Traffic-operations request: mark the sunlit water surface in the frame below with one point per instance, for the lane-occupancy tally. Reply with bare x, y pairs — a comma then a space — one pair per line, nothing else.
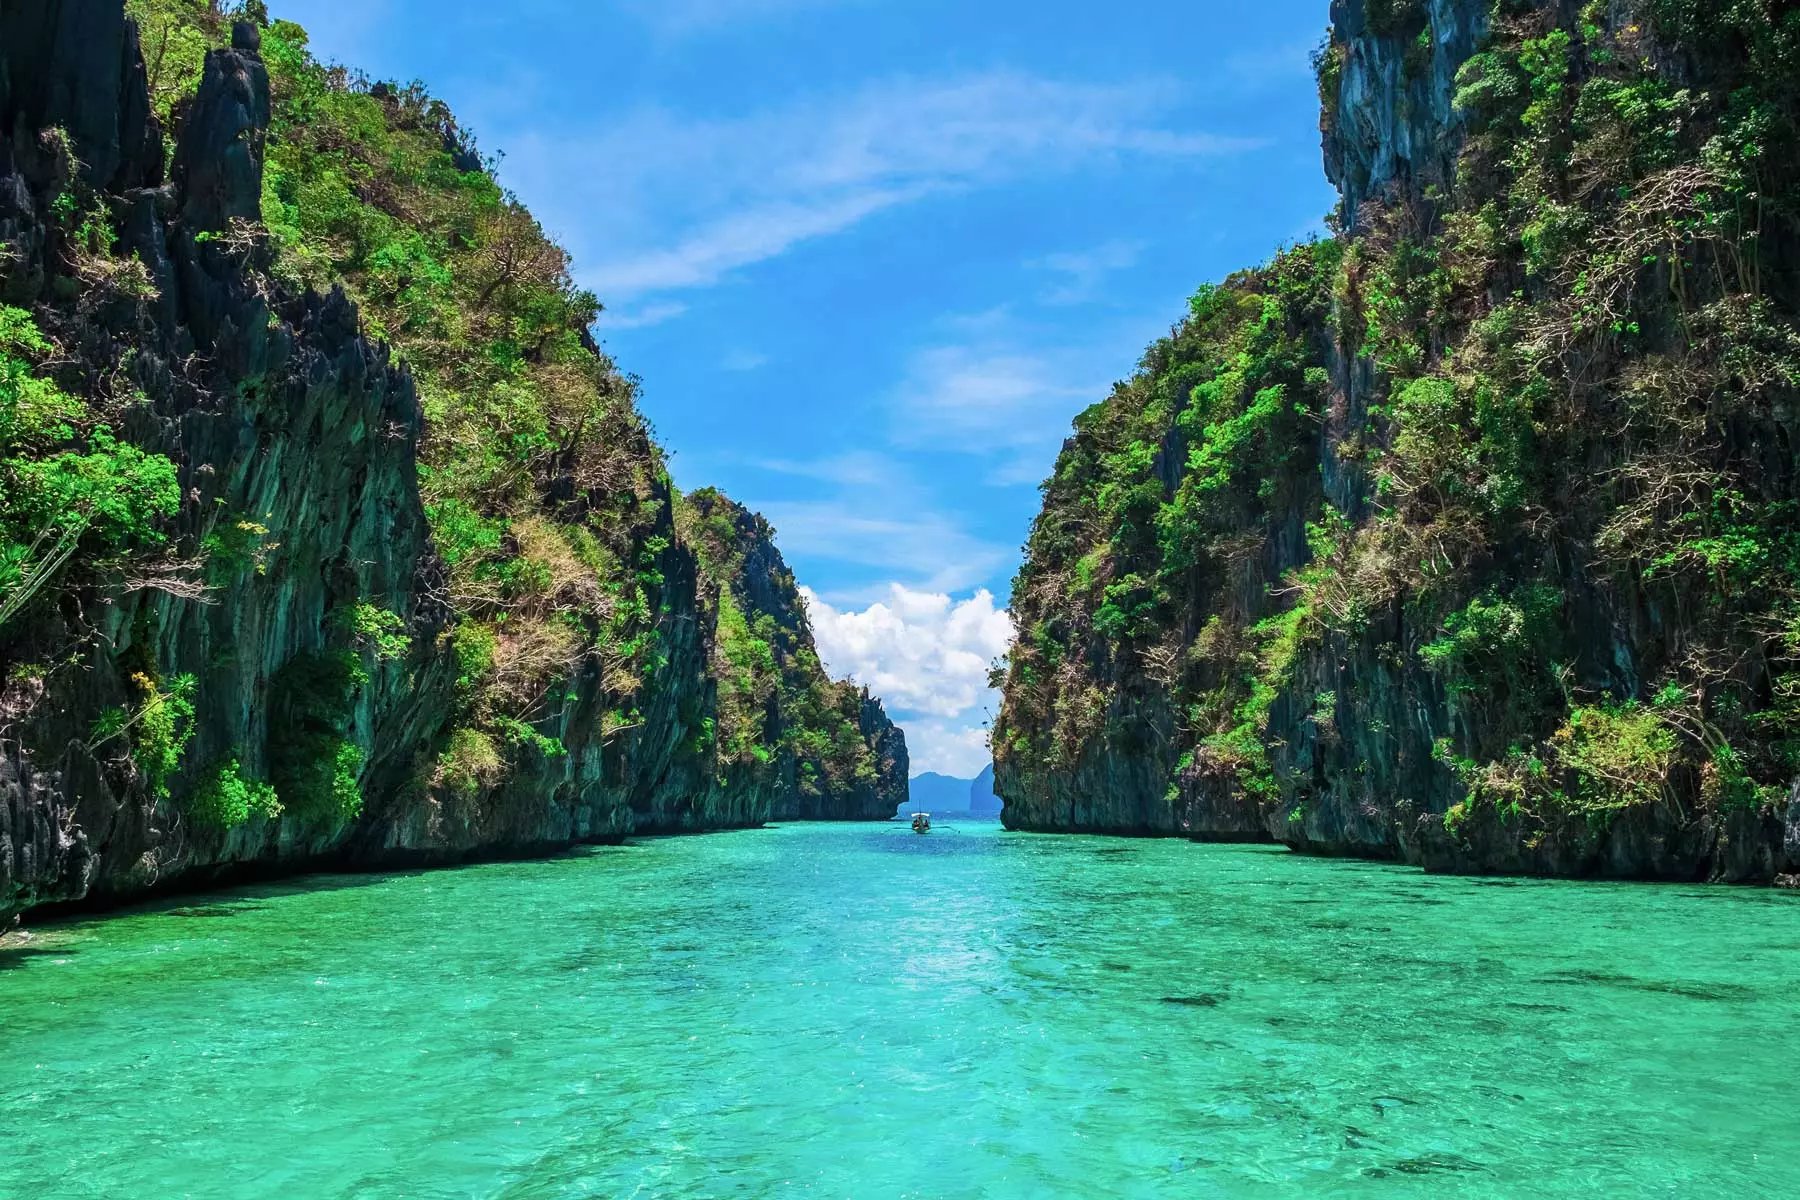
861, 1012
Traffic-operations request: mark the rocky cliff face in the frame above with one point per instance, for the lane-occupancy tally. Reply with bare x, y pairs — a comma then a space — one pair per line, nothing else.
298, 606
1388, 85
1408, 543
815, 749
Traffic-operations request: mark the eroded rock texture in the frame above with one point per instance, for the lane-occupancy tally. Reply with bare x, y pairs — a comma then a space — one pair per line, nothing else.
277, 409
1157, 689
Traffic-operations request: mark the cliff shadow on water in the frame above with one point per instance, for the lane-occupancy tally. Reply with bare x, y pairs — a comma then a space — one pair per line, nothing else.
1468, 535
328, 534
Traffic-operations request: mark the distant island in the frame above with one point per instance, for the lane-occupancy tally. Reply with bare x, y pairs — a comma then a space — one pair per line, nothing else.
946, 795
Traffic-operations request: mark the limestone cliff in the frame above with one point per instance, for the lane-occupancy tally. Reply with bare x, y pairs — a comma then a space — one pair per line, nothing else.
816, 748
1464, 536
274, 662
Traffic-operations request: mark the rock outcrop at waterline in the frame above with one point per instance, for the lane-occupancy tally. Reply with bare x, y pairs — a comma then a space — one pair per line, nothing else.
230, 642
1468, 536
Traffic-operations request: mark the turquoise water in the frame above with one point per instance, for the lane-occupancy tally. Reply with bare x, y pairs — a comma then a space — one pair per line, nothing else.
860, 1012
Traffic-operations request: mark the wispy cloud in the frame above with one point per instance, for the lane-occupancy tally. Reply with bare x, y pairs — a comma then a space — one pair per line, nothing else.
707, 255
696, 200
1009, 406
930, 549
642, 318
1082, 273
850, 469
695, 16
870, 511
744, 360
1279, 65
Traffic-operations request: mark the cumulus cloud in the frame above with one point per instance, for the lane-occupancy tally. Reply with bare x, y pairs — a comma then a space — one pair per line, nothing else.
927, 656
919, 651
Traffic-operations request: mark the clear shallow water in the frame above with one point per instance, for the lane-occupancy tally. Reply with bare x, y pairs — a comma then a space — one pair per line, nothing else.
857, 1011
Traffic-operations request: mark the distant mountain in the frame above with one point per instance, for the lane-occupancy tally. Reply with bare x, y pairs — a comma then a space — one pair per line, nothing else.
982, 801
934, 793
947, 796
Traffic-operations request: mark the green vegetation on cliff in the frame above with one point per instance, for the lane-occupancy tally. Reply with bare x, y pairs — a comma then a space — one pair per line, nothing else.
373, 186
1120, 551
768, 672
409, 577
1483, 515
67, 484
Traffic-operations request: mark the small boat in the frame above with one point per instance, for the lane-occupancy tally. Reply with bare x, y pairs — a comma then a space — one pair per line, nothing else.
921, 822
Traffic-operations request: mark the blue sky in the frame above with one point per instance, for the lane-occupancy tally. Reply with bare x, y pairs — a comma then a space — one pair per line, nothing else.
869, 257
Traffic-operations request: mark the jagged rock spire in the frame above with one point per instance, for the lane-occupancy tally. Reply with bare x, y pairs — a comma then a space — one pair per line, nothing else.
219, 162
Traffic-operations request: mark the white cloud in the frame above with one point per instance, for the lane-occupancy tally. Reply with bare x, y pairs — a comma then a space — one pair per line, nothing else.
877, 514
1010, 406
930, 547
851, 469
1083, 273
641, 318
927, 656
744, 360
987, 397
1272, 66
921, 652
683, 202
1004, 388
739, 240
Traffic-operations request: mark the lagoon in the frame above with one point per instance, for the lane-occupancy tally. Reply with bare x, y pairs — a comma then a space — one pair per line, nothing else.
859, 1011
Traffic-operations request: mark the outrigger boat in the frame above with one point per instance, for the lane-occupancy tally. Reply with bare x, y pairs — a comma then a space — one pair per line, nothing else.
921, 822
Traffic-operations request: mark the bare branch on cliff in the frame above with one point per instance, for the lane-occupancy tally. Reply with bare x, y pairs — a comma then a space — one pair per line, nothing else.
179, 579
